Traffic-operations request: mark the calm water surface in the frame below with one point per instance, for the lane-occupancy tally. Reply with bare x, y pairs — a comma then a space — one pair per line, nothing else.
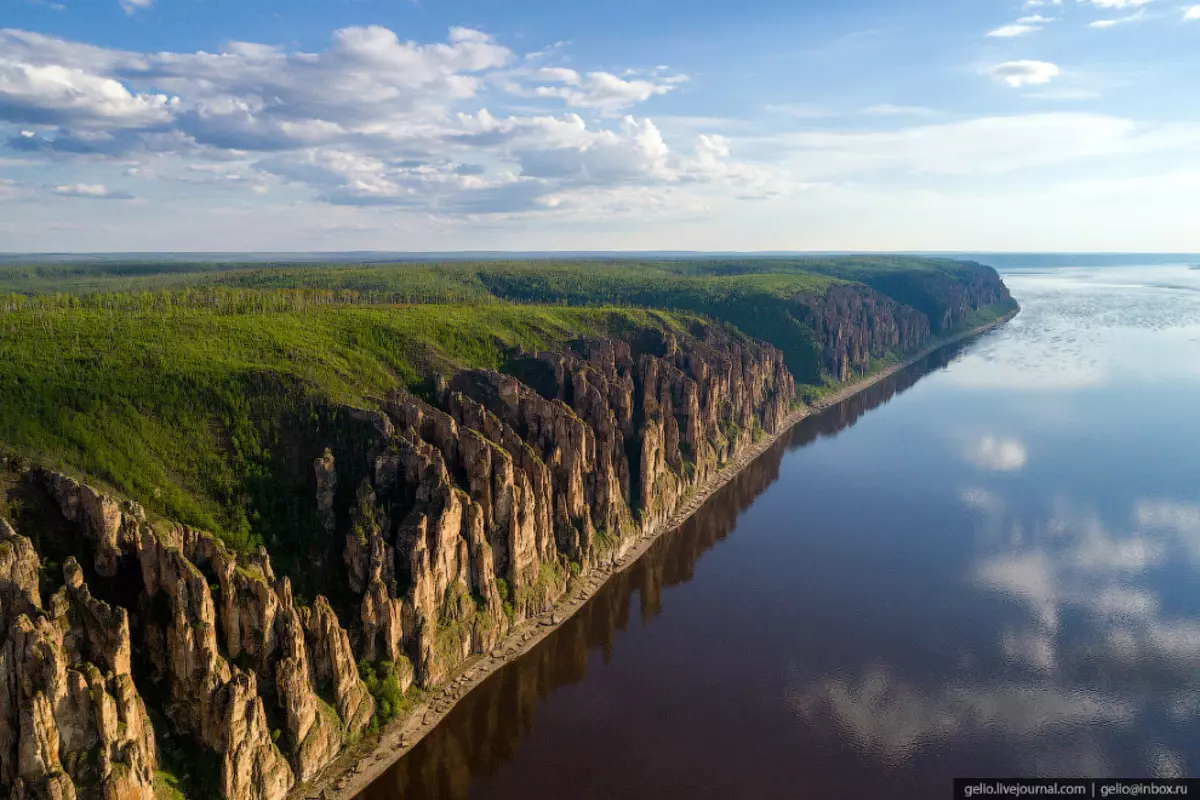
988, 564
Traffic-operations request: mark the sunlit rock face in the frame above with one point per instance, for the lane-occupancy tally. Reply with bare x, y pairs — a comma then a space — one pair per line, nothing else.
492, 493
477, 507
72, 715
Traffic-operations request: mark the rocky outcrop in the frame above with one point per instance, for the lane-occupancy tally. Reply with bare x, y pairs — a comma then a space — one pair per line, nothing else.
72, 723
947, 297
208, 699
490, 495
477, 507
219, 634
18, 577
102, 519
326, 479
856, 325
334, 667
312, 730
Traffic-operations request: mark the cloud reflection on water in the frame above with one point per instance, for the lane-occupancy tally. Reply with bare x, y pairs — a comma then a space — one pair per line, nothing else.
998, 454
893, 719
1088, 652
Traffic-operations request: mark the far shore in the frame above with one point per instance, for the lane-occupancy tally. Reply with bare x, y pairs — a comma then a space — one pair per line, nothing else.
359, 766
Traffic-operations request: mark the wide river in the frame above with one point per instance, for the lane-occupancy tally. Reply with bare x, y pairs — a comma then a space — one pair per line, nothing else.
986, 565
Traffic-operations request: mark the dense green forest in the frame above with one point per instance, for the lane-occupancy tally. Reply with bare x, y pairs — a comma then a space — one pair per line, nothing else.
760, 296
186, 386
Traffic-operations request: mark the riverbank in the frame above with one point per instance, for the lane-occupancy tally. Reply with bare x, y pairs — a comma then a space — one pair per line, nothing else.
359, 766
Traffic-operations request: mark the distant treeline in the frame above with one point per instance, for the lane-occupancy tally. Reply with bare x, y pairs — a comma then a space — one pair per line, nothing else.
763, 297
228, 301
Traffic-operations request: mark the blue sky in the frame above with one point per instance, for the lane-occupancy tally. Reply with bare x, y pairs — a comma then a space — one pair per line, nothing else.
523, 124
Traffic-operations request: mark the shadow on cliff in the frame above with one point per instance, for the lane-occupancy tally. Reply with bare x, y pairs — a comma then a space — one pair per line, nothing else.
486, 727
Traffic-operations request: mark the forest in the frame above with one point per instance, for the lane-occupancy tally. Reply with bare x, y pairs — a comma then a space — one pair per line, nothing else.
297, 439
178, 383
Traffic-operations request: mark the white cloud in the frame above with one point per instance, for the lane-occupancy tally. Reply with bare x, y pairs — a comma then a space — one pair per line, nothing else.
1025, 73
57, 95
550, 158
602, 91
982, 146
133, 6
91, 191
1035, 19
1191, 13
1118, 3
1110, 23
370, 120
1011, 31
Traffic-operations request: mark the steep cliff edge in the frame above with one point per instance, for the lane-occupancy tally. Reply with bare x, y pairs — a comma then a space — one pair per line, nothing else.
477, 507
366, 510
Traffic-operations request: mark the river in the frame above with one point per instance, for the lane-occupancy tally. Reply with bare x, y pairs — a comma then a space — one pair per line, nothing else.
984, 565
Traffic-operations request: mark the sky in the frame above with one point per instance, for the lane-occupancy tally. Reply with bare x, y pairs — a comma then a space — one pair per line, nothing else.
423, 125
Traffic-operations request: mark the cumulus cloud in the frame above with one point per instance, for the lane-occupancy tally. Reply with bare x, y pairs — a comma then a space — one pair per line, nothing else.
602, 91
90, 191
369, 120
549, 157
1191, 13
1025, 73
58, 95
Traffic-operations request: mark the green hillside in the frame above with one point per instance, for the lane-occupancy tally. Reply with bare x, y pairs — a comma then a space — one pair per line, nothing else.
191, 410
201, 390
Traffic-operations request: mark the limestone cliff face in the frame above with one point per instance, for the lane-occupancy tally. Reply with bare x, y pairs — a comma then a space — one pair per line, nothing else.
855, 325
478, 506
947, 298
486, 500
895, 313
72, 723
221, 637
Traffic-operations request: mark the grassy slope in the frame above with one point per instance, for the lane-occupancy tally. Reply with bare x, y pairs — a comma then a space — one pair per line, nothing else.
187, 391
181, 409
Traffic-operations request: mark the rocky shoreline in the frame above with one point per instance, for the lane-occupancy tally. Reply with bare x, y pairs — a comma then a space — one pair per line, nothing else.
360, 765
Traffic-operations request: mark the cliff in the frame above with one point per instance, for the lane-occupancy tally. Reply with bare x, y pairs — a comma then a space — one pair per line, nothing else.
462, 514
340, 502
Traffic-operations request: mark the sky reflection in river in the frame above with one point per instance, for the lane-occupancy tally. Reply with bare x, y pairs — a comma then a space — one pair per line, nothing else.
994, 573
